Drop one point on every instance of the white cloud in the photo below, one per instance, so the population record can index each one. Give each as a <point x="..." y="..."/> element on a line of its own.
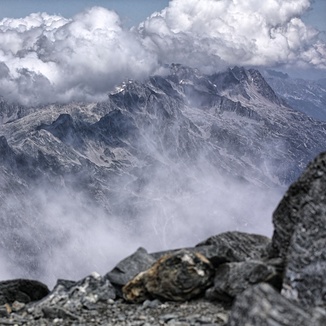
<point x="52" y="59"/>
<point x="218" y="32"/>
<point x="49" y="58"/>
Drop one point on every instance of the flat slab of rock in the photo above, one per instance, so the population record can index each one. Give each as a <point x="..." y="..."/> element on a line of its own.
<point x="300" y="236"/>
<point x="261" y="305"/>
<point x="22" y="290"/>
<point x="233" y="247"/>
<point x="180" y="276"/>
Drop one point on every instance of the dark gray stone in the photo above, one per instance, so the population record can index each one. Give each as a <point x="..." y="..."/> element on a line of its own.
<point x="233" y="247"/>
<point x="130" y="267"/>
<point x="231" y="279"/>
<point x="300" y="236"/>
<point x="22" y="290"/>
<point x="261" y="305"/>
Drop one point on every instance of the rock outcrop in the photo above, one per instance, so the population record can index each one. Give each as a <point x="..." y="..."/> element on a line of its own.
<point x="261" y="305"/>
<point x="300" y="236"/>
<point x="233" y="247"/>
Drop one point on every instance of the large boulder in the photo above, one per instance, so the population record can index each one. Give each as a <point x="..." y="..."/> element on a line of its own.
<point x="129" y="267"/>
<point x="233" y="247"/>
<point x="300" y="236"/>
<point x="261" y="305"/>
<point x="22" y="290"/>
<point x="231" y="279"/>
<point x="180" y="276"/>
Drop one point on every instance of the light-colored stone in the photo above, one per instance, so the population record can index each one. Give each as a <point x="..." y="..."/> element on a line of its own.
<point x="178" y="277"/>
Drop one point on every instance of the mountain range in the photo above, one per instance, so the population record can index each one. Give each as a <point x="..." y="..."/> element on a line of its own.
<point x="307" y="96"/>
<point x="181" y="148"/>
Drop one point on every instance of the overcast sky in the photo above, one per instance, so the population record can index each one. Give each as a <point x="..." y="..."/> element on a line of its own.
<point x="58" y="51"/>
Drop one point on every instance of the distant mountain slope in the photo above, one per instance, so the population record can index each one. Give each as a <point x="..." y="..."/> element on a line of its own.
<point x="306" y="96"/>
<point x="181" y="149"/>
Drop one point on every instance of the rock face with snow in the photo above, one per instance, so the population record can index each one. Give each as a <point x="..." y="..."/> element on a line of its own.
<point x="307" y="96"/>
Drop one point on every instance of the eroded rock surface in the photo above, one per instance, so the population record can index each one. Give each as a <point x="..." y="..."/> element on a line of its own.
<point x="68" y="298"/>
<point x="231" y="279"/>
<point x="177" y="277"/>
<point x="300" y="236"/>
<point x="261" y="305"/>
<point x="233" y="247"/>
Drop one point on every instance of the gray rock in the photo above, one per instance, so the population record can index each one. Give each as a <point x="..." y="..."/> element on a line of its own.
<point x="233" y="247"/>
<point x="300" y="233"/>
<point x="151" y="303"/>
<point x="129" y="268"/>
<point x="178" y="277"/>
<point x="261" y="305"/>
<point x="90" y="293"/>
<point x="22" y="290"/>
<point x="57" y="312"/>
<point x="231" y="279"/>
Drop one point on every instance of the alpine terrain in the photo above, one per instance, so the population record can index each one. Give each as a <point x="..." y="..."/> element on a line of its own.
<point x="162" y="163"/>
<point x="307" y="96"/>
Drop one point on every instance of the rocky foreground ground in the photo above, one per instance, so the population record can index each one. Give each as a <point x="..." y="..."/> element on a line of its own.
<point x="229" y="279"/>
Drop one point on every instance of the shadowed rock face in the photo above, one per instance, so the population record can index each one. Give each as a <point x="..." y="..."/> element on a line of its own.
<point x="300" y="233"/>
<point x="231" y="279"/>
<point x="177" y="277"/>
<point x="261" y="305"/>
<point x="22" y="290"/>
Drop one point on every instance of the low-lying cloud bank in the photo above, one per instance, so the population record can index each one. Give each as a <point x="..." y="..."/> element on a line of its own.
<point x="47" y="58"/>
<point x="64" y="235"/>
